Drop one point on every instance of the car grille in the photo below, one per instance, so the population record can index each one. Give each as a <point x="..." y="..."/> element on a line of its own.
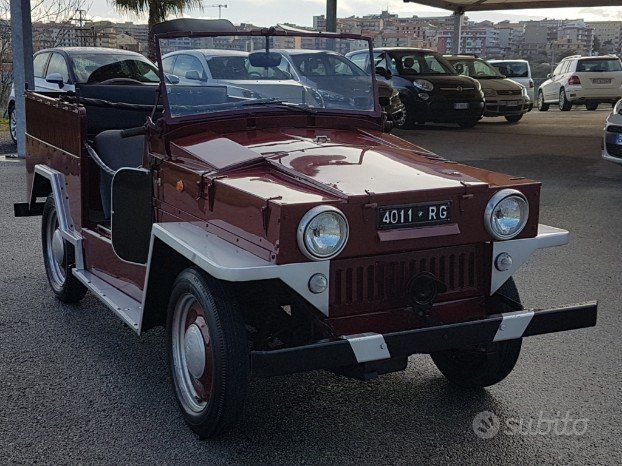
<point x="614" y="150"/>
<point x="458" y="92"/>
<point x="510" y="92"/>
<point x="614" y="129"/>
<point x="380" y="283"/>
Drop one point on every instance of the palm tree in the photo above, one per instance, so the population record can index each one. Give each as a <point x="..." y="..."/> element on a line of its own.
<point x="157" y="10"/>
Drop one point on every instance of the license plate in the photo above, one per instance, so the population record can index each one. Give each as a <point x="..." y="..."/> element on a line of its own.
<point x="601" y="80"/>
<point x="461" y="106"/>
<point x="618" y="140"/>
<point x="433" y="213"/>
<point x="512" y="103"/>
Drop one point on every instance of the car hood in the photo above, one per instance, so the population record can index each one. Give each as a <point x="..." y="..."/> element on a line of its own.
<point x="346" y="162"/>
<point x="442" y="80"/>
<point x="504" y="84"/>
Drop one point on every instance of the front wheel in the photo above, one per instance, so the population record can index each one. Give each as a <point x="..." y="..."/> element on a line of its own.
<point x="513" y="118"/>
<point x="564" y="104"/>
<point x="408" y="119"/>
<point x="208" y="353"/>
<point x="59" y="257"/>
<point x="542" y="106"/>
<point x="481" y="365"/>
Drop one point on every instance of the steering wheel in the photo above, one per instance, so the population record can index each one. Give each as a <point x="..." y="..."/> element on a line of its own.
<point x="122" y="81"/>
<point x="254" y="74"/>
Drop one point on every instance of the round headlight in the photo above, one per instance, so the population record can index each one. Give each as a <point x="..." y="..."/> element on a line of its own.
<point x="506" y="214"/>
<point x="322" y="232"/>
<point x="424" y="85"/>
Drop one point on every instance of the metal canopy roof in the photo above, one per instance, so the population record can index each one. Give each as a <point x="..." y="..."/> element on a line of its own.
<point x="484" y="5"/>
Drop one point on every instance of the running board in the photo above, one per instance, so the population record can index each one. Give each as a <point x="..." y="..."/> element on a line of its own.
<point x="125" y="307"/>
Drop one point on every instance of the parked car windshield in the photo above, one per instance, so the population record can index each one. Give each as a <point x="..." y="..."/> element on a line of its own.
<point x="239" y="67"/>
<point x="512" y="69"/>
<point x="306" y="73"/>
<point x="475" y="68"/>
<point x="415" y="63"/>
<point x="99" y="67"/>
<point x="599" y="65"/>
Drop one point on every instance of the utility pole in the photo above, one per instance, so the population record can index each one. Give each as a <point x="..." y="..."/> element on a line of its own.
<point x="220" y="6"/>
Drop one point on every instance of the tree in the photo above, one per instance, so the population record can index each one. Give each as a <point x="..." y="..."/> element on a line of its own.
<point x="157" y="11"/>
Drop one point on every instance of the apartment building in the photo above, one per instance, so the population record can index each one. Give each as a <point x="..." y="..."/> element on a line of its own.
<point x="609" y="34"/>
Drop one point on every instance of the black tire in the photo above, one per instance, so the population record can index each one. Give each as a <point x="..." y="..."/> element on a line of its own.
<point x="542" y="106"/>
<point x="591" y="107"/>
<point x="513" y="118"/>
<point x="564" y="104"/>
<point x="65" y="286"/>
<point x="483" y="365"/>
<point x="467" y="124"/>
<point x="408" y="121"/>
<point x="226" y="354"/>
<point x="12" y="128"/>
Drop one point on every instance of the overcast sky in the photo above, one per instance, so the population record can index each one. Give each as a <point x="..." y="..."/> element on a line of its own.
<point x="270" y="12"/>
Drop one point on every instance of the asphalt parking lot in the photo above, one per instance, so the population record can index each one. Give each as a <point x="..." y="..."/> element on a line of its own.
<point x="77" y="386"/>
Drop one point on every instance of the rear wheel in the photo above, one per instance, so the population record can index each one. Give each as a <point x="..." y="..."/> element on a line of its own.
<point x="12" y="124"/>
<point x="591" y="107"/>
<point x="208" y="353"/>
<point x="481" y="365"/>
<point x="542" y="106"/>
<point x="513" y="118"/>
<point x="564" y="104"/>
<point x="59" y="257"/>
<point x="468" y="123"/>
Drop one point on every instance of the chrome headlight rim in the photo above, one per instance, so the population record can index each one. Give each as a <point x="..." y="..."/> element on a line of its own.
<point x="304" y="223"/>
<point x="494" y="201"/>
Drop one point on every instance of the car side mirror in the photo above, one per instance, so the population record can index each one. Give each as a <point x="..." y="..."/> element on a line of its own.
<point x="193" y="75"/>
<point x="172" y="79"/>
<point x="55" y="78"/>
<point x="382" y="71"/>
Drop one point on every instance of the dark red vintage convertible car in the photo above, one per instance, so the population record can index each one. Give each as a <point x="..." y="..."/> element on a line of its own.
<point x="270" y="234"/>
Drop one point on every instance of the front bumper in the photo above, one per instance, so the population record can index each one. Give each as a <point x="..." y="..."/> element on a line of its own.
<point x="501" y="107"/>
<point x="612" y="144"/>
<point x="353" y="350"/>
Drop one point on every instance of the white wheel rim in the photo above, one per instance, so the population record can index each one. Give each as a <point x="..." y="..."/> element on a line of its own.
<point x="191" y="360"/>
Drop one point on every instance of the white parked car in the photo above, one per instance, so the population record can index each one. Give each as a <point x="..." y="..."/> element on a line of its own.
<point x="232" y="68"/>
<point x="612" y="141"/>
<point x="578" y="80"/>
<point x="517" y="70"/>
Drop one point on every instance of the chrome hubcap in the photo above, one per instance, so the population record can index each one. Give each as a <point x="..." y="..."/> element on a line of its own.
<point x="58" y="246"/>
<point x="192" y="354"/>
<point x="194" y="348"/>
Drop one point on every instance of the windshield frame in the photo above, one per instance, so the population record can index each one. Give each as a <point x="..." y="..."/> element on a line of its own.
<point x="375" y="114"/>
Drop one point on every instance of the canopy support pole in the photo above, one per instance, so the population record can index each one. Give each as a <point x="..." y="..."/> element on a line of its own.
<point x="331" y="15"/>
<point x="23" y="76"/>
<point x="457" y="34"/>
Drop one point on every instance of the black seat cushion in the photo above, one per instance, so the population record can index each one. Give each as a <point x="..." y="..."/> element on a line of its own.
<point x="116" y="152"/>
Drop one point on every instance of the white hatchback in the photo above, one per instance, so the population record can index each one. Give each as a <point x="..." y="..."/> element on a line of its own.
<point x="578" y="80"/>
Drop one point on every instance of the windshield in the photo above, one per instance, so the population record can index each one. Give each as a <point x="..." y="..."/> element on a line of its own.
<point x="512" y="69"/>
<point x="475" y="68"/>
<point x="291" y="71"/>
<point x="599" y="65"/>
<point x="416" y="63"/>
<point x="99" y="67"/>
